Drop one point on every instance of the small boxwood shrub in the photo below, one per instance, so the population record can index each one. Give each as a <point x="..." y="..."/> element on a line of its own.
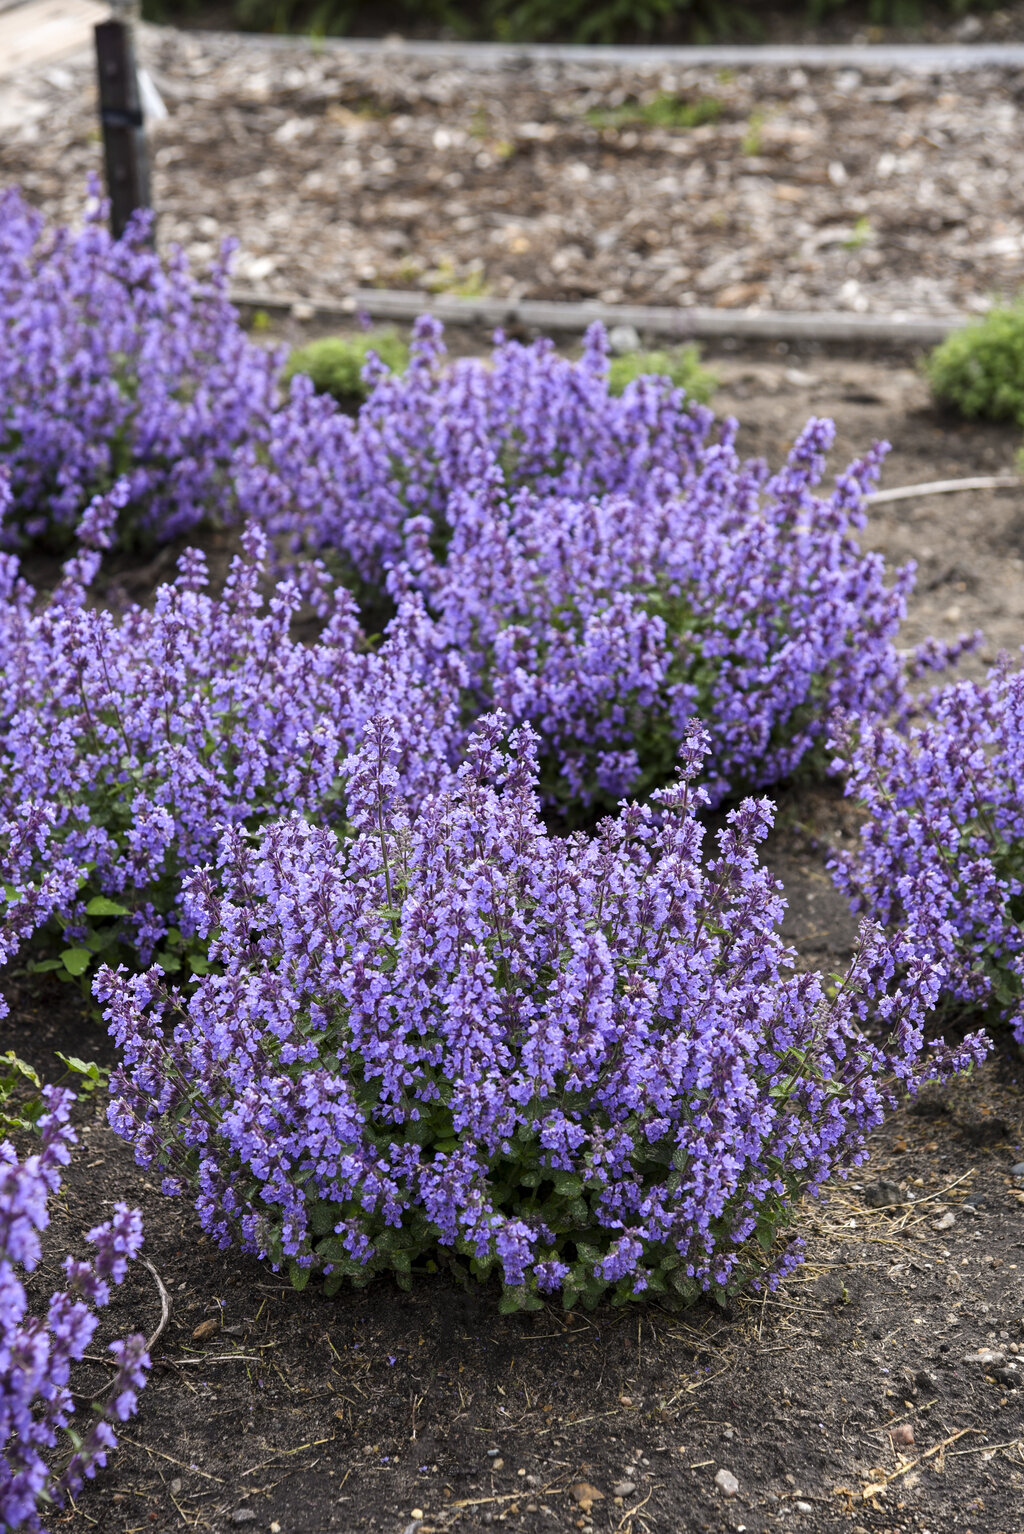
<point x="580" y="1063"/>
<point x="682" y="366"/>
<point x="335" y="364"/>
<point x="979" y="370"/>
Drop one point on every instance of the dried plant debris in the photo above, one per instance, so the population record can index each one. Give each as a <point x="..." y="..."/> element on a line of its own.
<point x="766" y="187"/>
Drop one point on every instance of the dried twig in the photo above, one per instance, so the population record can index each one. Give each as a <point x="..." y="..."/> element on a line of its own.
<point x="159" y="1454"/>
<point x="165" y="1308"/>
<point x="944" y="487"/>
<point x="629" y="1514"/>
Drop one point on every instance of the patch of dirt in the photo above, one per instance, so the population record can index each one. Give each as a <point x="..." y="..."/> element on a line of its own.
<point x="844" y="1401"/>
<point x="863" y="190"/>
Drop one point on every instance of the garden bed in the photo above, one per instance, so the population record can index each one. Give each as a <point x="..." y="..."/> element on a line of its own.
<point x="767" y="187"/>
<point x="311" y="1414"/>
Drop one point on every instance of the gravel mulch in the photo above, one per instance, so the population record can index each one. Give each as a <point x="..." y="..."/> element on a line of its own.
<point x="805" y="189"/>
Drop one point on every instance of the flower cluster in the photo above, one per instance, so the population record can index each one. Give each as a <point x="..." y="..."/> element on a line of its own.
<point x="941" y="855"/>
<point x="114" y="362"/>
<point x="127" y="743"/>
<point x="608" y="566"/>
<point x="578" y="1060"/>
<point x="36" y="1403"/>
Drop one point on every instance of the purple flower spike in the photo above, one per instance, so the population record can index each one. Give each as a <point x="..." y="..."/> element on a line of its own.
<point x="579" y="1062"/>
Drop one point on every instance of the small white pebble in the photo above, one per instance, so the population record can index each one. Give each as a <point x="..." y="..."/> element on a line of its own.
<point x="727" y="1483"/>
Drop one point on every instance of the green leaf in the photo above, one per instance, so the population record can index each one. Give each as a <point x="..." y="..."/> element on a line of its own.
<point x="19" y="1067"/>
<point x="99" y="905"/>
<point x="87" y="1068"/>
<point x="323" y="1217"/>
<point x="199" y="964"/>
<point x="168" y="962"/>
<point x="76" y="960"/>
<point x="44" y="966"/>
<point x="299" y="1276"/>
<point x="568" y="1185"/>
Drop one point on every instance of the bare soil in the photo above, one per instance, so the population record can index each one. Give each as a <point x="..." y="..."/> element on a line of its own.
<point x="842" y="1402"/>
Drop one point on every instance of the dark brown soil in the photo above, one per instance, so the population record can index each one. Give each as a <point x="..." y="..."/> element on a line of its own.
<point x="842" y="1401"/>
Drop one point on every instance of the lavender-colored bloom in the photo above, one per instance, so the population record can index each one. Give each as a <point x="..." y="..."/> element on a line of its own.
<point x="580" y="1060"/>
<point x="127" y="743"/>
<point x="115" y="363"/>
<point x="36" y="1355"/>
<point x="607" y="566"/>
<point x="941" y="853"/>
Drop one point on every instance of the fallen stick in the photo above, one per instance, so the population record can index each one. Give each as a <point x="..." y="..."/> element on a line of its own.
<point x="165" y="1308"/>
<point x="944" y="487"/>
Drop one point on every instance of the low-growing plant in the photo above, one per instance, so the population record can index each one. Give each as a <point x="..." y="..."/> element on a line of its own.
<point x="44" y="1458"/>
<point x="127" y="743"/>
<point x="681" y="365"/>
<point x="979" y="370"/>
<point x="114" y="365"/>
<point x="941" y="855"/>
<point x="335" y="364"/>
<point x="577" y="1062"/>
<point x="607" y="566"/>
<point x="663" y="110"/>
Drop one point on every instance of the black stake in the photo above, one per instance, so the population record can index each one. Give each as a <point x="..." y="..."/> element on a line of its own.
<point x="124" y="134"/>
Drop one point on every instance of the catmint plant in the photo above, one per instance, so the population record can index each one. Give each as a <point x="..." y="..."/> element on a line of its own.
<point x="115" y="362"/>
<point x="580" y="1063"/>
<point x="128" y="742"/>
<point x="46" y="1453"/>
<point x="608" y="567"/>
<point x="941" y="854"/>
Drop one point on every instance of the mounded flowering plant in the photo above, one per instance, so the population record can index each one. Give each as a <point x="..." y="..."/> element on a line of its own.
<point x="608" y="566"/>
<point x="580" y="1063"/>
<point x="115" y="362"/>
<point x="551" y="425"/>
<point x="128" y="742"/>
<point x="941" y="852"/>
<point x="44" y="1458"/>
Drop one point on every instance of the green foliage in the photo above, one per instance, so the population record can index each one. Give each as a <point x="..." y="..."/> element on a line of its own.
<point x="682" y="365"/>
<point x="525" y="1186"/>
<point x="577" y="21"/>
<point x="335" y="363"/>
<point x="979" y="370"/>
<point x="19" y="1111"/>
<point x="17" y="1077"/>
<point x="108" y="938"/>
<point x="664" y="110"/>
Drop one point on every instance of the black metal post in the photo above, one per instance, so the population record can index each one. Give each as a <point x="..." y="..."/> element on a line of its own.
<point x="124" y="133"/>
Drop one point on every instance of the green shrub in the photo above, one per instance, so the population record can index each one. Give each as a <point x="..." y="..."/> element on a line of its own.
<point x="335" y="363"/>
<point x="980" y="370"/>
<point x="577" y="21"/>
<point x="682" y="365"/>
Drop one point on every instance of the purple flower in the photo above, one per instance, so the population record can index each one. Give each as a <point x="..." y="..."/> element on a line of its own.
<point x="580" y="1061"/>
<point x="117" y="366"/>
<point x="36" y="1355"/>
<point x="941" y="854"/>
